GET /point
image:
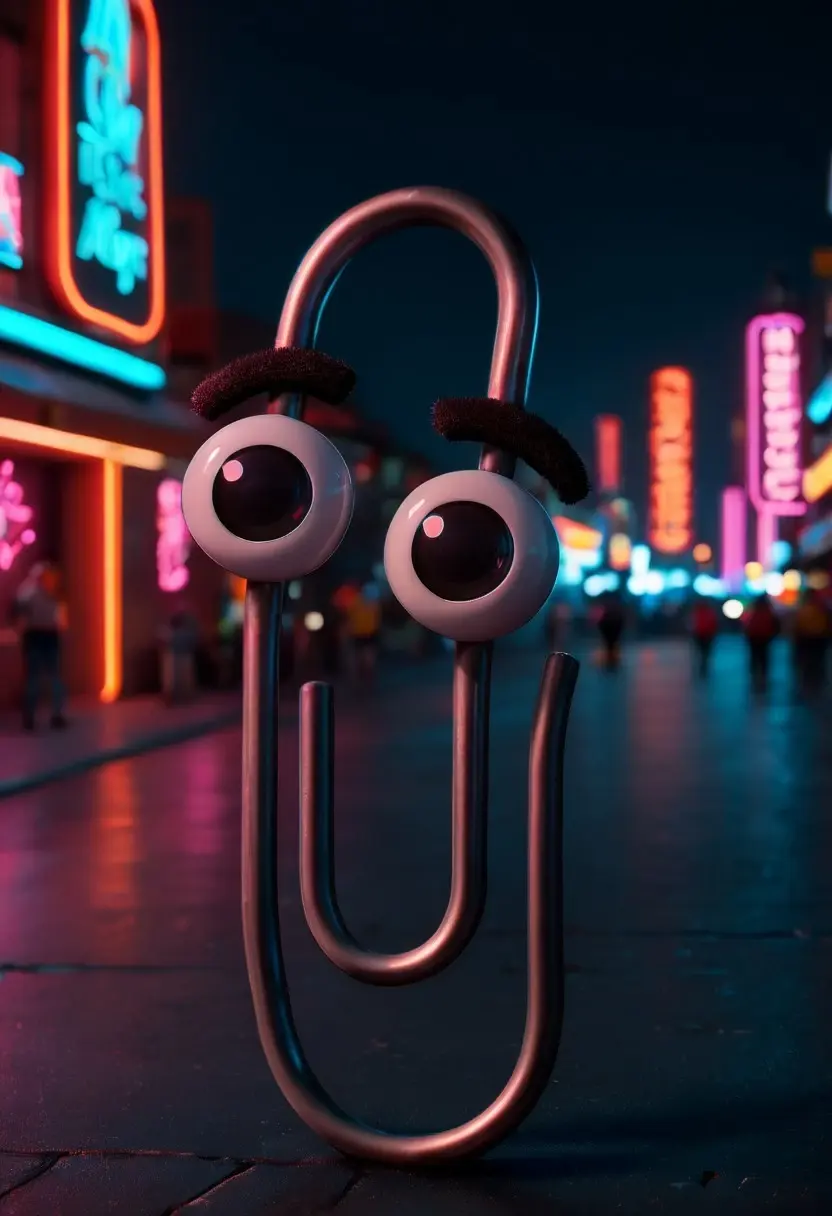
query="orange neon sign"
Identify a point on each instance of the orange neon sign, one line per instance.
(608, 453)
(105, 239)
(671, 460)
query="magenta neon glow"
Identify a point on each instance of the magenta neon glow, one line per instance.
(767, 528)
(774, 411)
(734, 534)
(173, 544)
(15, 517)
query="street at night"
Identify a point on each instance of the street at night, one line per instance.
(696, 1060)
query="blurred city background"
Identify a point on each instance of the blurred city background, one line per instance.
(675, 190)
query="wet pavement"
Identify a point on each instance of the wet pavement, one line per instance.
(695, 1070)
(98, 733)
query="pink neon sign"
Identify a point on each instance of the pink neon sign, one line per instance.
(15, 516)
(734, 533)
(173, 543)
(774, 411)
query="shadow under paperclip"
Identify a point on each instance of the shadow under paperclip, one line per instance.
(509, 1186)
(596, 1153)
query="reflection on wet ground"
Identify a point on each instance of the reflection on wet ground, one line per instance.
(700, 952)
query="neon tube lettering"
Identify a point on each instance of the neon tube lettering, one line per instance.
(109, 147)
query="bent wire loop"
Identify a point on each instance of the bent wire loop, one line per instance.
(510, 369)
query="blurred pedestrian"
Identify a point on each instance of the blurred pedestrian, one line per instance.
(611, 628)
(41, 616)
(810, 641)
(704, 626)
(180, 639)
(363, 622)
(761, 626)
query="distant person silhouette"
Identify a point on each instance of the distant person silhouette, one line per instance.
(810, 637)
(40, 613)
(761, 626)
(611, 628)
(704, 626)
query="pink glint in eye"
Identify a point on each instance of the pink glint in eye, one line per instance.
(232, 470)
(433, 526)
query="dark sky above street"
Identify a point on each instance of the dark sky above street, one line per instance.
(658, 167)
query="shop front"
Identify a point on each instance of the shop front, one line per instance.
(105, 509)
(92, 449)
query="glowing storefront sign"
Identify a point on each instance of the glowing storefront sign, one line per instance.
(106, 227)
(15, 517)
(11, 213)
(734, 534)
(817, 480)
(173, 544)
(608, 432)
(33, 333)
(774, 413)
(670, 520)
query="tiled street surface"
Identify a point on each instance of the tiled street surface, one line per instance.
(695, 1072)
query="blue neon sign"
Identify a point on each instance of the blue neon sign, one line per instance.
(11, 213)
(22, 329)
(110, 140)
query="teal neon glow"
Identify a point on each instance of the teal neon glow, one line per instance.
(21, 329)
(108, 151)
(11, 233)
(819, 409)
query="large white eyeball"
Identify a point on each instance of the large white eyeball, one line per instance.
(268, 498)
(471, 555)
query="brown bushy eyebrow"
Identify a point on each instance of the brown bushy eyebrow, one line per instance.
(526, 436)
(285, 369)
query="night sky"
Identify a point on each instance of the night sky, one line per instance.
(657, 172)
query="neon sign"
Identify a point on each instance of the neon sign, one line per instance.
(608, 453)
(734, 534)
(15, 517)
(106, 226)
(11, 213)
(774, 411)
(671, 460)
(173, 544)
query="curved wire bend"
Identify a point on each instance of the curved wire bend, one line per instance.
(469, 820)
(261, 924)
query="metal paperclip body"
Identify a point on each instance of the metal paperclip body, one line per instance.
(513, 350)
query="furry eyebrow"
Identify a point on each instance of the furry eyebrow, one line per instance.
(527, 436)
(285, 369)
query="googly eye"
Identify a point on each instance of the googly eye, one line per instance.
(471, 555)
(268, 498)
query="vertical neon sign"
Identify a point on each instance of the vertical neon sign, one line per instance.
(608, 430)
(734, 535)
(11, 213)
(173, 543)
(774, 410)
(105, 224)
(670, 520)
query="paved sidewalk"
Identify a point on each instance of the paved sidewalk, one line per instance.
(695, 1071)
(99, 733)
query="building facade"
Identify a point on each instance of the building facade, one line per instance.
(92, 441)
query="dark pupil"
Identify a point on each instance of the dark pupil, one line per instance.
(462, 551)
(262, 493)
